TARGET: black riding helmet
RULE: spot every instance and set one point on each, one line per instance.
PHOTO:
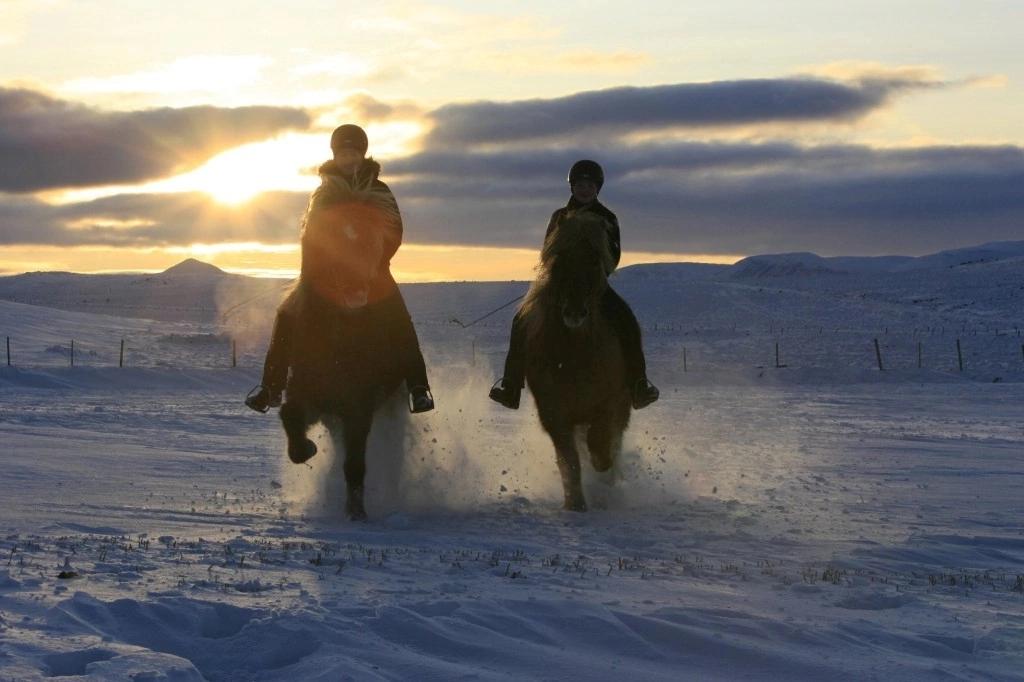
(349, 136)
(585, 169)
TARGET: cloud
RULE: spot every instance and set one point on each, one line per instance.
(49, 143)
(339, 65)
(728, 197)
(686, 159)
(196, 73)
(624, 110)
(364, 107)
(683, 197)
(994, 81)
(498, 177)
(865, 71)
(547, 61)
(152, 220)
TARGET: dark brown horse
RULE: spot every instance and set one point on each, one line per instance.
(575, 366)
(342, 364)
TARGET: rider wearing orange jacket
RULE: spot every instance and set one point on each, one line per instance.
(350, 170)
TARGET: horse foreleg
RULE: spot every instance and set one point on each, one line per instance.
(569, 466)
(296, 419)
(602, 445)
(604, 438)
(356, 430)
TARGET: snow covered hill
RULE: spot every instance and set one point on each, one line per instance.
(729, 318)
(973, 287)
(189, 291)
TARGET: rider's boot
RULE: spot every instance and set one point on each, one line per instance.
(262, 398)
(644, 393)
(506, 392)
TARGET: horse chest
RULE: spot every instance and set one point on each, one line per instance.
(574, 360)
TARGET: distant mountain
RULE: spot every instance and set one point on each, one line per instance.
(189, 291)
(869, 264)
(190, 267)
(781, 265)
(784, 265)
(985, 281)
(679, 271)
(971, 255)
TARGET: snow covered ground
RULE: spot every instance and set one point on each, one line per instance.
(820, 520)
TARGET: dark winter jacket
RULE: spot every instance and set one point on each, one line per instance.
(600, 209)
(335, 188)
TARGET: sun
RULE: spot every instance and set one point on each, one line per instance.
(237, 175)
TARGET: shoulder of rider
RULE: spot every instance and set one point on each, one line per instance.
(614, 235)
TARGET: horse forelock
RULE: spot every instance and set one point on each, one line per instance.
(574, 230)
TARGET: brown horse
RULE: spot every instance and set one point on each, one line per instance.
(575, 366)
(342, 366)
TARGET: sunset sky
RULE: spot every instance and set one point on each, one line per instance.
(134, 135)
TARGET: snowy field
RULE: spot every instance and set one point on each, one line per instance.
(824, 520)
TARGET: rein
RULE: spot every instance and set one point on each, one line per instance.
(459, 322)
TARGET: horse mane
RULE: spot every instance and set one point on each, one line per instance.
(574, 229)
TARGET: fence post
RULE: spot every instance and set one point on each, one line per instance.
(234, 353)
(959, 356)
(878, 355)
(919, 355)
(72, 352)
(120, 359)
(9, 351)
(473, 359)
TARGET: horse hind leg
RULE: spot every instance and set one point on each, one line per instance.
(296, 421)
(568, 458)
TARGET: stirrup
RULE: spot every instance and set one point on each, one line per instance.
(420, 399)
(503, 393)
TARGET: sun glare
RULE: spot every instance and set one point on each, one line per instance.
(237, 175)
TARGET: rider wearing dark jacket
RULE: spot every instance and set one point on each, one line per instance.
(585, 180)
(350, 171)
(600, 209)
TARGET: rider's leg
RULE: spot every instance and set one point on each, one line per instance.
(408, 346)
(275, 368)
(508, 390)
(618, 312)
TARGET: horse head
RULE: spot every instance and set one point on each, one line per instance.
(343, 248)
(576, 260)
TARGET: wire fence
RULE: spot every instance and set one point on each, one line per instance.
(686, 348)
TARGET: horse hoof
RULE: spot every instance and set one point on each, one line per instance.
(354, 505)
(302, 453)
(575, 507)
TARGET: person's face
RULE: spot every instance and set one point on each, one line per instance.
(584, 191)
(347, 159)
